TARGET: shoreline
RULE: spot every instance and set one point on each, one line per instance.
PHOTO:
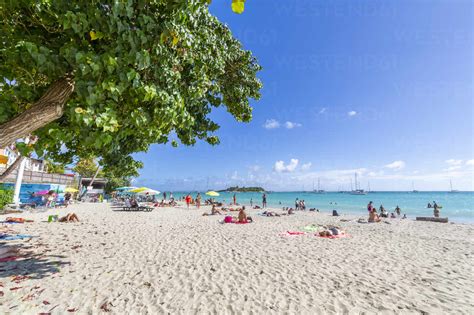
(176, 260)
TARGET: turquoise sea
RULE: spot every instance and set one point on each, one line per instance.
(459, 207)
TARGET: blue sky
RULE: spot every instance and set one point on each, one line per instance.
(382, 88)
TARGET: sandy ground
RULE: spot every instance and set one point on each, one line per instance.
(174, 260)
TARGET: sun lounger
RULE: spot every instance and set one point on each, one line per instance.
(432, 219)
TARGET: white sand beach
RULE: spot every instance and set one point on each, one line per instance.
(174, 260)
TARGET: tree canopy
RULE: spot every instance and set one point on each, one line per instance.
(109, 78)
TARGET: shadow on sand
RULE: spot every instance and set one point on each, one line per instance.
(35, 266)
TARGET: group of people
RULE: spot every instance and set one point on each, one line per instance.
(300, 205)
(241, 217)
(375, 217)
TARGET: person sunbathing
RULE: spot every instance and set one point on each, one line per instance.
(70, 217)
(15, 220)
(214, 211)
(270, 214)
(243, 218)
(373, 216)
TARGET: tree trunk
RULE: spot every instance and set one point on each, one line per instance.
(11, 168)
(92, 181)
(47, 109)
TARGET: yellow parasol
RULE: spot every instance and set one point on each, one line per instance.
(71, 190)
(140, 189)
(212, 193)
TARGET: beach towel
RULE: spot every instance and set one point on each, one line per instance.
(310, 228)
(292, 233)
(7, 237)
(10, 258)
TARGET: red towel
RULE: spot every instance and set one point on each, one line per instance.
(9, 258)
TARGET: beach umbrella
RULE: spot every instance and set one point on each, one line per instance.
(149, 192)
(71, 190)
(212, 193)
(125, 188)
(140, 189)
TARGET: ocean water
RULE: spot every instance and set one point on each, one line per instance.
(459, 207)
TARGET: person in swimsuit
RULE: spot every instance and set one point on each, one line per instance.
(370, 207)
(398, 210)
(188, 200)
(198, 200)
(70, 217)
(264, 201)
(373, 216)
(243, 218)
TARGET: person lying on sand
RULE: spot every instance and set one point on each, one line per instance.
(214, 211)
(373, 216)
(70, 217)
(270, 214)
(333, 230)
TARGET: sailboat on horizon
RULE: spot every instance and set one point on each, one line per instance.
(357, 190)
(451, 185)
(319, 191)
(413, 187)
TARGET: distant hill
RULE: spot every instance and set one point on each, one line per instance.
(243, 189)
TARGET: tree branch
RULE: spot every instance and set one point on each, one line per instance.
(47, 109)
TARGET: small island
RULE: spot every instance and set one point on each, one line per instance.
(243, 189)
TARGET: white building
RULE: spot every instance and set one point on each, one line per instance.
(8, 157)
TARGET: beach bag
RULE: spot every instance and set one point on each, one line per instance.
(228, 219)
(334, 213)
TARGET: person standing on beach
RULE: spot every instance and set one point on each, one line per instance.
(436, 210)
(370, 207)
(198, 200)
(188, 200)
(251, 202)
(235, 200)
(297, 204)
(398, 210)
(164, 195)
(264, 201)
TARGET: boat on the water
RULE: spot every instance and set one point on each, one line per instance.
(451, 185)
(357, 190)
(319, 191)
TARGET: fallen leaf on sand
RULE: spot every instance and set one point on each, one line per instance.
(15, 288)
(72, 310)
(105, 306)
(46, 302)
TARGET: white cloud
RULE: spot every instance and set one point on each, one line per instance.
(271, 124)
(280, 166)
(470, 162)
(352, 113)
(291, 125)
(235, 176)
(375, 174)
(453, 165)
(323, 110)
(396, 165)
(254, 168)
(454, 162)
(452, 168)
(306, 166)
